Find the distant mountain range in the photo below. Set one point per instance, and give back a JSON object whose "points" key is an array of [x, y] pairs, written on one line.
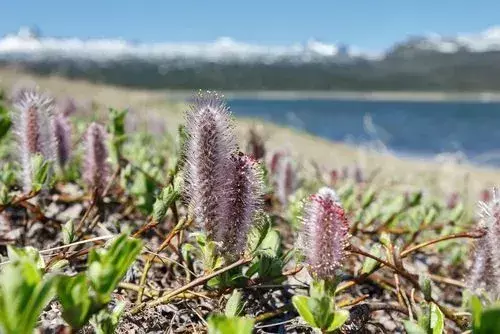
{"points": [[469, 62]]}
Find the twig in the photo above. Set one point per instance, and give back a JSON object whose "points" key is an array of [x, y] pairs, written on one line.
{"points": [[405, 274], [196, 282], [351, 302], [80, 225], [471, 235], [19, 199], [447, 280]]}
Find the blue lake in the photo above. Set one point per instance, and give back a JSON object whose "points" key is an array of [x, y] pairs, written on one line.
{"points": [[406, 128]]}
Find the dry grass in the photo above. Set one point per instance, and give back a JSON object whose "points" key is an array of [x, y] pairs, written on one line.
{"points": [[434, 176]]}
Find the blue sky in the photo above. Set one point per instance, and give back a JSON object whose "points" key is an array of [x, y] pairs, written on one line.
{"points": [[369, 24]]}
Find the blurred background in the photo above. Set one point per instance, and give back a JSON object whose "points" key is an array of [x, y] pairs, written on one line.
{"points": [[409, 79]]}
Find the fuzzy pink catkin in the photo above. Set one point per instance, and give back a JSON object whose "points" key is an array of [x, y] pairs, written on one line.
{"points": [[245, 191], [325, 234], [485, 270], [95, 164], [209, 146], [33, 128], [286, 179], [62, 131]]}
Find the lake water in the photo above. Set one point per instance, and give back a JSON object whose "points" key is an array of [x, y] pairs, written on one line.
{"points": [[405, 128]]}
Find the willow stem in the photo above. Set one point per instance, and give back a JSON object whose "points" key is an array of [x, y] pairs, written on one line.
{"points": [[201, 280]]}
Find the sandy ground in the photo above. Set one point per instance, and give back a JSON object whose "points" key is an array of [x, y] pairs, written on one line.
{"points": [[439, 175]]}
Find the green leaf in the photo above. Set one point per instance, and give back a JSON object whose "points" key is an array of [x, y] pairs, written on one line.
{"points": [[490, 321], [259, 232], [27, 253], [5, 124], [270, 267], [424, 316], [368, 198], [68, 232], [271, 245], [339, 318], [426, 284], [107, 266], [211, 260], [457, 212], [117, 130], [40, 169], [58, 265], [370, 264], [321, 288], [484, 320], [234, 305], [322, 310], [437, 320], [413, 328], [220, 324], [166, 198], [415, 199], [301, 304], [254, 268], [431, 216], [477, 309], [24, 292], [73, 294], [105, 322], [385, 239]]}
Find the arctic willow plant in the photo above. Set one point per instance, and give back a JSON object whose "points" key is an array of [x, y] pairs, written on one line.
{"points": [[96, 168], [34, 129], [325, 234], [224, 187], [209, 146], [324, 241]]}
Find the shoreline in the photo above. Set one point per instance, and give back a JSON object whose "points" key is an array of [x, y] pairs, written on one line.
{"points": [[374, 96]]}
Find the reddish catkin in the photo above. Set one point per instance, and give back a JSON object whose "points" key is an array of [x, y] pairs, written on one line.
{"points": [[485, 270], [96, 170], [209, 146], [274, 161], [33, 128], [286, 179], [62, 131], [325, 234], [255, 146], [245, 191]]}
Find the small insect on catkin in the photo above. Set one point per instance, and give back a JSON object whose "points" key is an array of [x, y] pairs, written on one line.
{"points": [[209, 146], [325, 234], [33, 128], [245, 191], [95, 165], [485, 270]]}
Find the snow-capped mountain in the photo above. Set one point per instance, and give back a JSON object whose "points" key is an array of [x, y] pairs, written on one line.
{"points": [[463, 62], [28, 42], [487, 40]]}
